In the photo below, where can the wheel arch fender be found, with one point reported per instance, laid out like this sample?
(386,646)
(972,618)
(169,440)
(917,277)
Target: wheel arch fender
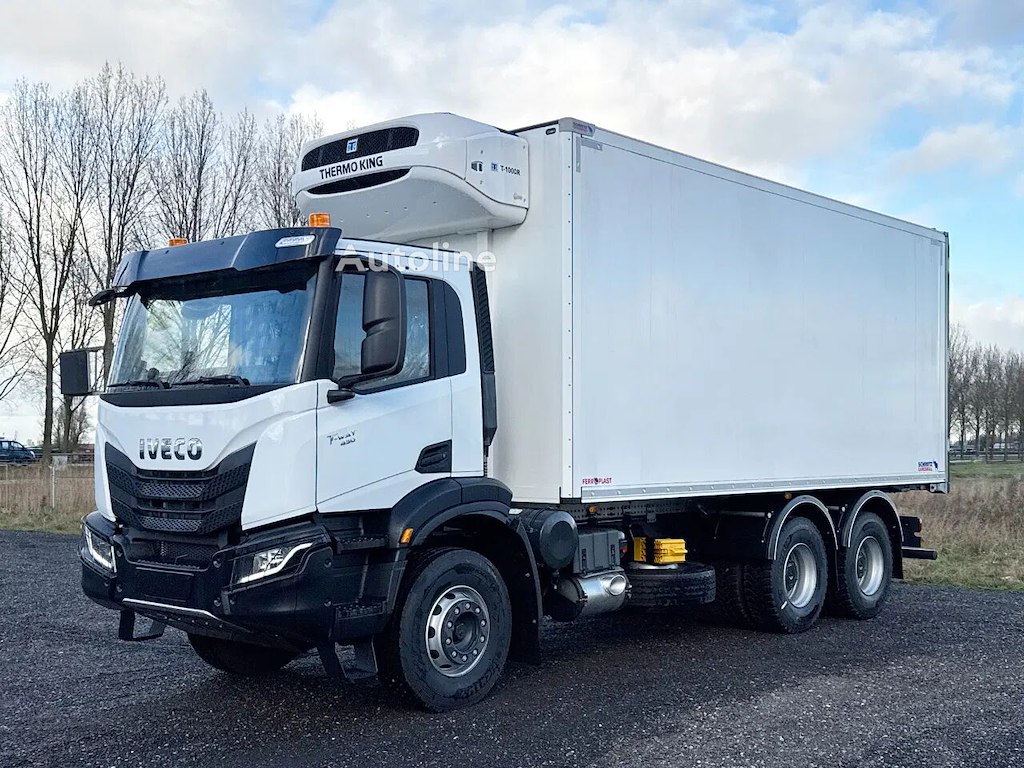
(882,505)
(802,506)
(477,511)
(430,505)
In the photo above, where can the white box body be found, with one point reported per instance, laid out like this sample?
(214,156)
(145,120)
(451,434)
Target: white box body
(667,327)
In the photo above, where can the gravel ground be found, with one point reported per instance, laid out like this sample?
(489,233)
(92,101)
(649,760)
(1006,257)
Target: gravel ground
(937,680)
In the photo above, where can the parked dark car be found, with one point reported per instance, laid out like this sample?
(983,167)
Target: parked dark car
(13,452)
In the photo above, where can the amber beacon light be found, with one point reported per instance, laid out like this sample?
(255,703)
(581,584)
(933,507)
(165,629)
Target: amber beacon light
(319,219)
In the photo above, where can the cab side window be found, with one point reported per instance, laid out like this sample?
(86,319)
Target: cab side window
(348,329)
(349,335)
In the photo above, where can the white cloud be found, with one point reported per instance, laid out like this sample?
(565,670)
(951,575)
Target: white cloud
(730,91)
(993,322)
(221,44)
(986,21)
(983,147)
(711,77)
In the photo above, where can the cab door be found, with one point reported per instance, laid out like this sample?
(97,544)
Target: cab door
(395,434)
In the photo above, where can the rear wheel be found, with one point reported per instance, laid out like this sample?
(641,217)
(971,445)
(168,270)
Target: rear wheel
(787,594)
(865,570)
(728,607)
(449,635)
(236,658)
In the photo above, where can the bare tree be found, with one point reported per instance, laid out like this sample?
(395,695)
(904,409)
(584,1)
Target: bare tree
(204,174)
(128,111)
(990,385)
(1017,402)
(14,353)
(280,144)
(960,377)
(233,189)
(46,158)
(80,327)
(975,393)
(70,427)
(1012,372)
(185,167)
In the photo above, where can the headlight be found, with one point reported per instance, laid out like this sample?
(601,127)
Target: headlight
(267,563)
(100,550)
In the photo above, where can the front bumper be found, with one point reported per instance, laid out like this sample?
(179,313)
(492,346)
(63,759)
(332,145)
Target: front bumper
(327,594)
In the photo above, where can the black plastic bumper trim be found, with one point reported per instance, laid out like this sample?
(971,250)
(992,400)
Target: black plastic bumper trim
(328,596)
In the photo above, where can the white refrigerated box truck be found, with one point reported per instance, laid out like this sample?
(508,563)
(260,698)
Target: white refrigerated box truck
(510,375)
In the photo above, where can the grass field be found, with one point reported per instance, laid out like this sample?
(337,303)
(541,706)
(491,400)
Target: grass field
(25,498)
(978,528)
(997,470)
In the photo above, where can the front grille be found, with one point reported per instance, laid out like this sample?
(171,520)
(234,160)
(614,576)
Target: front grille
(369,143)
(179,502)
(172,553)
(358,182)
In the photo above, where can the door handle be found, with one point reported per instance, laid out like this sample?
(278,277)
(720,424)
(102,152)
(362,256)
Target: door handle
(435,458)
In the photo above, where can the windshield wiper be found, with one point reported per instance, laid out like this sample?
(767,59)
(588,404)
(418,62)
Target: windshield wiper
(229,378)
(160,383)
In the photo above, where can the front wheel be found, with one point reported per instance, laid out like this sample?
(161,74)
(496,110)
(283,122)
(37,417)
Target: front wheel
(449,635)
(236,658)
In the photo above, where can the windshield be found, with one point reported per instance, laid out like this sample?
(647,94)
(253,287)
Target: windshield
(234,328)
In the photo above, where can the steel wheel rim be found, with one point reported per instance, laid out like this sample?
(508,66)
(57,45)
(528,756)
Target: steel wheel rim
(458,631)
(870,566)
(800,575)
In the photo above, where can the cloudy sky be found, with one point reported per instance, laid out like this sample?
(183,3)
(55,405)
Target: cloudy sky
(912,108)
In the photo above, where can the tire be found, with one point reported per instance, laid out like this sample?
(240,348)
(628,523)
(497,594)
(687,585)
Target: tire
(688,584)
(237,658)
(787,594)
(865,570)
(728,607)
(430,617)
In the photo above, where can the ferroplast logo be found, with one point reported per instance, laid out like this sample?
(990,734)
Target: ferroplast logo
(171,448)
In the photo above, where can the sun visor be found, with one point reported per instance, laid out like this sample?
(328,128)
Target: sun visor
(242,252)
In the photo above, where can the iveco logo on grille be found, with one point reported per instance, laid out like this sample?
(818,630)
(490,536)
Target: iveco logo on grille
(170,448)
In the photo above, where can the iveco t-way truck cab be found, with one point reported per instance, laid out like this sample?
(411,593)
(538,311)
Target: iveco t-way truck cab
(504,377)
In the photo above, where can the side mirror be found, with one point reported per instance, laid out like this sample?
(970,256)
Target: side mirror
(78,372)
(383,349)
(384,322)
